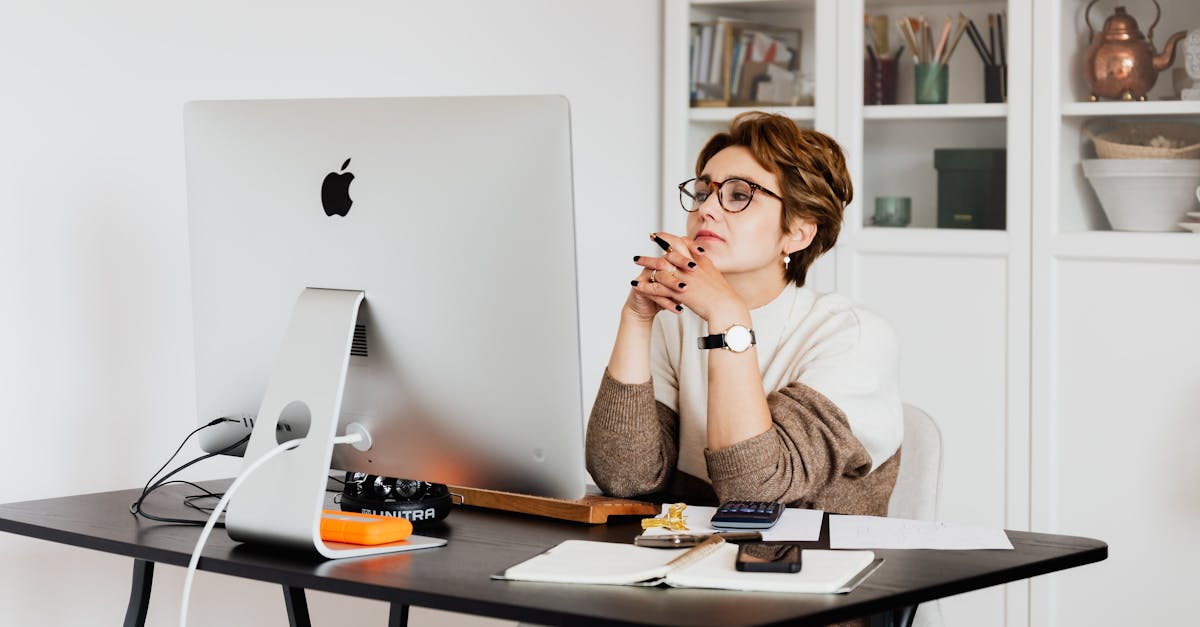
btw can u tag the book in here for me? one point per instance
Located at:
(771, 69)
(707, 565)
(740, 63)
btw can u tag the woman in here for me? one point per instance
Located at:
(804, 410)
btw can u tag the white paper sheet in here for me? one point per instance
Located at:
(873, 532)
(796, 525)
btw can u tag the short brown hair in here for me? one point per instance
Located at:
(811, 169)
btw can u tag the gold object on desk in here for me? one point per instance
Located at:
(674, 519)
(1122, 62)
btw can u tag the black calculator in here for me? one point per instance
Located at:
(747, 515)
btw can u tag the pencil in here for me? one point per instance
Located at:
(1000, 32)
(927, 44)
(941, 47)
(977, 40)
(958, 33)
(912, 44)
(914, 27)
(992, 38)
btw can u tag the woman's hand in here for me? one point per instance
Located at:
(654, 289)
(683, 277)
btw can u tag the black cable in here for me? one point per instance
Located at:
(190, 500)
(187, 501)
(181, 445)
(136, 508)
(152, 485)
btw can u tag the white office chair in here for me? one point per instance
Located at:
(918, 485)
(920, 477)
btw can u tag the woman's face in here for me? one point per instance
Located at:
(747, 241)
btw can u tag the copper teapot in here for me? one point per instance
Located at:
(1122, 63)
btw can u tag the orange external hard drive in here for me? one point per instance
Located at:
(355, 528)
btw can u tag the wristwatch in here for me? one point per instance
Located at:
(736, 338)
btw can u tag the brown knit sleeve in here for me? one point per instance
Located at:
(632, 440)
(808, 457)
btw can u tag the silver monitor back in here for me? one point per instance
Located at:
(461, 234)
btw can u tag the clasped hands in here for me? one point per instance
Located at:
(683, 277)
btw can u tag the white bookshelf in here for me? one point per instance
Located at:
(1046, 350)
(1107, 338)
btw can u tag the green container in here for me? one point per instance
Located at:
(931, 83)
(971, 188)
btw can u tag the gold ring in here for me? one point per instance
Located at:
(652, 276)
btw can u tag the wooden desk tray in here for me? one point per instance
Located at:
(593, 508)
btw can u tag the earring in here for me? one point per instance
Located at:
(786, 260)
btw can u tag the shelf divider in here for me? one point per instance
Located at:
(1127, 246)
(725, 114)
(1121, 108)
(980, 110)
(933, 242)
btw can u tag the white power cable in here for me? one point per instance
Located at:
(351, 438)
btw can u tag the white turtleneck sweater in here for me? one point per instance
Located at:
(844, 352)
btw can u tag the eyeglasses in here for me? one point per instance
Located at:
(733, 194)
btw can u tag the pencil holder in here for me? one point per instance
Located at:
(932, 83)
(995, 83)
(879, 81)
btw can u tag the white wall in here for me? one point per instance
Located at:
(95, 336)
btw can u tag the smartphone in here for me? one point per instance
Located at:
(768, 557)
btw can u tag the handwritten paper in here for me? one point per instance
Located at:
(872, 532)
(796, 525)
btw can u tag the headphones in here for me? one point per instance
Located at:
(418, 501)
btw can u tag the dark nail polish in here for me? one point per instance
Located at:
(691, 264)
(634, 283)
(682, 285)
(678, 307)
(636, 257)
(699, 249)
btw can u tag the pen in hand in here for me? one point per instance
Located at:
(662, 243)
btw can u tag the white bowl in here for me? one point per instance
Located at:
(1144, 194)
(1191, 226)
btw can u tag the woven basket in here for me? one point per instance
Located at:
(1132, 141)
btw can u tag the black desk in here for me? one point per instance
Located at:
(456, 577)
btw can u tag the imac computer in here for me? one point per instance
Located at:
(403, 268)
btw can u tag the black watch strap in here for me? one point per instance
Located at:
(717, 340)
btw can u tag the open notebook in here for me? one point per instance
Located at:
(704, 566)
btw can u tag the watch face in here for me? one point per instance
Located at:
(737, 338)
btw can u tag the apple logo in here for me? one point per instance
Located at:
(335, 192)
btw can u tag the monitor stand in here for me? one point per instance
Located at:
(281, 503)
